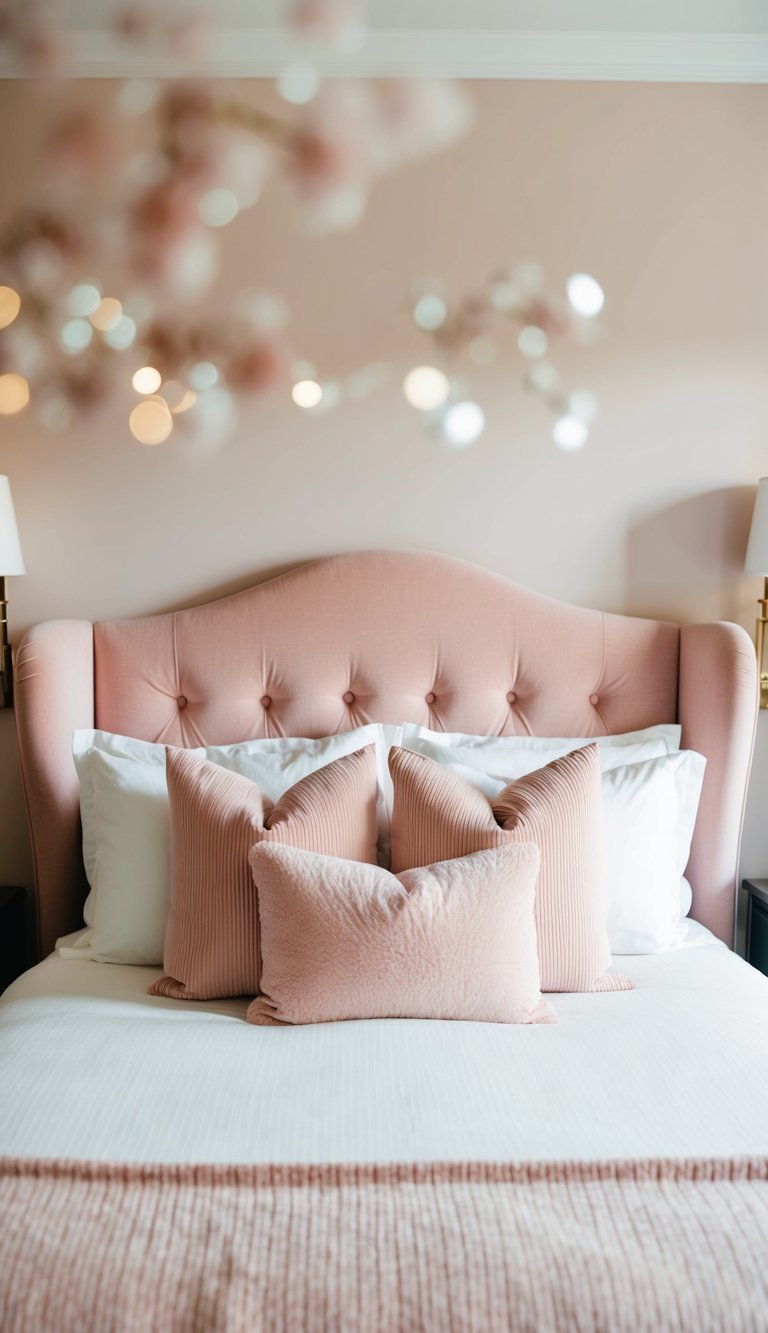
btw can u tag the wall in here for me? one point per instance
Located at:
(659, 190)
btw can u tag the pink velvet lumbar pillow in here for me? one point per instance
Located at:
(438, 814)
(212, 936)
(343, 940)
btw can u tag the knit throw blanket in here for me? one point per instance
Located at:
(658, 1245)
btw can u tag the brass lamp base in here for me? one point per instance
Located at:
(6, 657)
(761, 643)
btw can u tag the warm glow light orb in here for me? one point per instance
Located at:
(107, 314)
(14, 393)
(585, 295)
(147, 380)
(570, 433)
(10, 305)
(463, 423)
(151, 421)
(425, 387)
(307, 393)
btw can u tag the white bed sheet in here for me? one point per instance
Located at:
(92, 1067)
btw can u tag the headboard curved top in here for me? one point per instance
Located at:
(380, 636)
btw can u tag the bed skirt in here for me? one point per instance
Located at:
(652, 1245)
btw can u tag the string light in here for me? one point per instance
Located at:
(532, 341)
(429, 312)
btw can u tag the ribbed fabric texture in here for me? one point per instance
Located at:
(343, 940)
(438, 815)
(212, 947)
(638, 1247)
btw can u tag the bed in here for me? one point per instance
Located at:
(168, 1166)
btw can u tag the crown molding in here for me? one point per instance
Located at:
(657, 57)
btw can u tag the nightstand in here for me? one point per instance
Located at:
(756, 951)
(12, 945)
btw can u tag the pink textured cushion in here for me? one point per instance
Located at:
(344, 940)
(437, 815)
(212, 936)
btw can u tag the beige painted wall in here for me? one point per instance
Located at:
(661, 191)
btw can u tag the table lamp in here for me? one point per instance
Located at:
(11, 562)
(757, 563)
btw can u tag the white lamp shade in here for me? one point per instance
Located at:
(757, 548)
(11, 559)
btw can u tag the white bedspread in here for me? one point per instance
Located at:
(92, 1067)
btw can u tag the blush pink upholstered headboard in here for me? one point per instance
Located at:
(381, 636)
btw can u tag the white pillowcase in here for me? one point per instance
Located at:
(649, 813)
(124, 811)
(514, 756)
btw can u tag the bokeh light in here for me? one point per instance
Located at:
(122, 335)
(569, 433)
(426, 387)
(307, 393)
(532, 341)
(585, 295)
(218, 207)
(298, 84)
(463, 423)
(430, 312)
(83, 299)
(10, 305)
(107, 314)
(151, 421)
(14, 393)
(75, 336)
(203, 375)
(147, 380)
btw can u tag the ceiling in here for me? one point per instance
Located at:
(722, 41)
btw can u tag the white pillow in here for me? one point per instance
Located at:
(649, 813)
(124, 811)
(514, 756)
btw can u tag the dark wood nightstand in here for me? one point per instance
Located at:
(756, 950)
(12, 946)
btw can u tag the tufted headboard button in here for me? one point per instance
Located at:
(511, 697)
(430, 698)
(594, 699)
(349, 697)
(266, 701)
(181, 701)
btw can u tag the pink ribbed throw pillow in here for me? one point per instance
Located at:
(212, 936)
(438, 814)
(344, 940)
